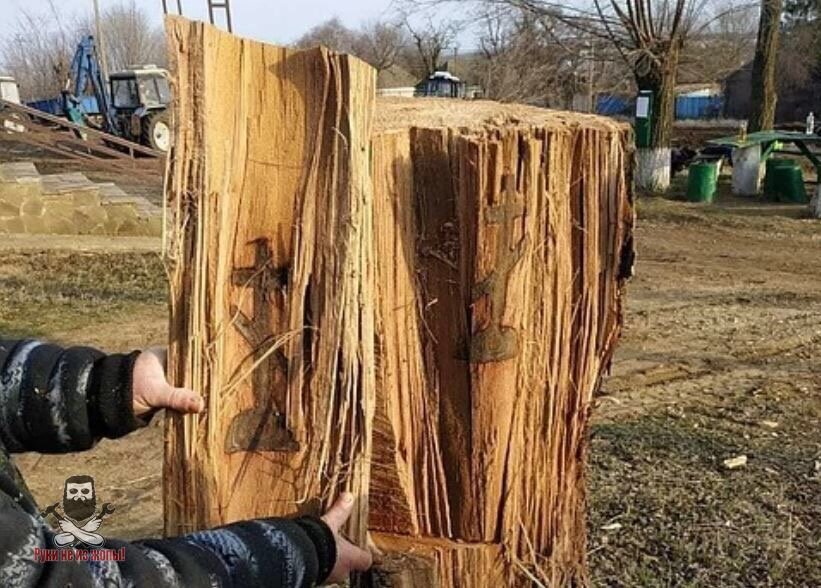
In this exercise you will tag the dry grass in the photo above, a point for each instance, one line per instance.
(687, 520)
(48, 293)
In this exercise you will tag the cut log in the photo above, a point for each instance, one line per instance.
(271, 277)
(516, 224)
(417, 306)
(414, 562)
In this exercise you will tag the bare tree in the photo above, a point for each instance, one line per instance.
(763, 90)
(380, 44)
(529, 58)
(38, 54)
(650, 35)
(722, 45)
(799, 59)
(430, 40)
(130, 36)
(332, 34)
(647, 34)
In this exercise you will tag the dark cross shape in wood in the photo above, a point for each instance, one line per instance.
(262, 427)
(495, 342)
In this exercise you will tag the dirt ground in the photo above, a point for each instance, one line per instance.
(719, 359)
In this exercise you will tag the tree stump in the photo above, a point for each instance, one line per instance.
(416, 303)
(499, 280)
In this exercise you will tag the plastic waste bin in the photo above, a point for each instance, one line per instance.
(702, 179)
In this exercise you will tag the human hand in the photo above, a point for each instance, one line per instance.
(349, 557)
(151, 390)
(66, 526)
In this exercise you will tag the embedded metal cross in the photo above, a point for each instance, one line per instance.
(496, 342)
(262, 427)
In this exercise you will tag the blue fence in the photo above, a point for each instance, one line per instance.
(687, 107)
(699, 107)
(610, 105)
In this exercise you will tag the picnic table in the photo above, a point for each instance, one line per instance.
(750, 150)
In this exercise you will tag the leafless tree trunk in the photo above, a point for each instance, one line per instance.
(650, 34)
(380, 44)
(763, 91)
(658, 74)
(430, 40)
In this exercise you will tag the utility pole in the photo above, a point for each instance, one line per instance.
(100, 41)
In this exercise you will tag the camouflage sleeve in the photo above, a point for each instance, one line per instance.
(273, 553)
(56, 400)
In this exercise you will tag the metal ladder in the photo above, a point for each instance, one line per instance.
(165, 7)
(225, 6)
(213, 7)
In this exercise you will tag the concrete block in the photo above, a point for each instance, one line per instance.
(154, 226)
(8, 210)
(61, 208)
(52, 225)
(85, 198)
(68, 183)
(18, 169)
(12, 225)
(90, 216)
(32, 206)
(15, 193)
(130, 228)
(35, 225)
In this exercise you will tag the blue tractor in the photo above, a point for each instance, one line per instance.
(132, 104)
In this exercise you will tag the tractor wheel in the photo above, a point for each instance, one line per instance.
(157, 132)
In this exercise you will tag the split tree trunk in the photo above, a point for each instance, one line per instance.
(420, 311)
(493, 333)
(271, 276)
(763, 93)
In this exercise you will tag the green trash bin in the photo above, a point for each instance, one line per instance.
(770, 190)
(784, 181)
(702, 179)
(786, 184)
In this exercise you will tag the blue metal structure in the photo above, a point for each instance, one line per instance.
(687, 107)
(612, 105)
(699, 107)
(87, 80)
(86, 92)
(55, 107)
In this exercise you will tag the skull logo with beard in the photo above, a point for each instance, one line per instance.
(79, 499)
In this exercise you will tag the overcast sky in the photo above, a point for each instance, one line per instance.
(275, 21)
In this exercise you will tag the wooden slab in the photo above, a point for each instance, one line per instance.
(271, 271)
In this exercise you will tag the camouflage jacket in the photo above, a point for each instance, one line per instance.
(55, 400)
